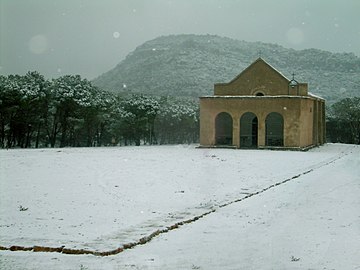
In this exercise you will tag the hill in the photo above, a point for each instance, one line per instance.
(189, 65)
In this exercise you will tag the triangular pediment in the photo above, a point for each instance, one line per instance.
(259, 77)
(260, 64)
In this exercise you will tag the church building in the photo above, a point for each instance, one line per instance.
(261, 108)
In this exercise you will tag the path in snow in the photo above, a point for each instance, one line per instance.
(311, 222)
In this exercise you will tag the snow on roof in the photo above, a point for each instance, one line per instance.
(314, 96)
(263, 97)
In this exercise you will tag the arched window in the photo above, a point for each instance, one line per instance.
(274, 125)
(223, 129)
(248, 130)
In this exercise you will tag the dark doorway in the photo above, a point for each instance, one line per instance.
(248, 130)
(274, 130)
(223, 129)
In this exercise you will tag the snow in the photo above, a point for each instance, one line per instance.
(101, 198)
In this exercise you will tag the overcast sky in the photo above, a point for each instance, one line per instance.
(90, 37)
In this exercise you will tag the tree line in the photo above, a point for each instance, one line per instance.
(70, 111)
(343, 121)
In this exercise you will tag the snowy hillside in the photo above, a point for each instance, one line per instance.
(189, 65)
(202, 208)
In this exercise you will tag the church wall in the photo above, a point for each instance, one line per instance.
(295, 131)
(323, 124)
(318, 131)
(315, 137)
(303, 89)
(308, 118)
(321, 136)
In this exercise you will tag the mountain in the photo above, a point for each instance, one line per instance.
(189, 65)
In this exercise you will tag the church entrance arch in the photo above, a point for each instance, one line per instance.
(274, 125)
(248, 130)
(223, 129)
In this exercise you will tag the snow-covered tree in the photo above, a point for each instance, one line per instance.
(344, 121)
(75, 110)
(139, 113)
(70, 111)
(178, 121)
(22, 100)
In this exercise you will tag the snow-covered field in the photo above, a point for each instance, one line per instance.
(98, 199)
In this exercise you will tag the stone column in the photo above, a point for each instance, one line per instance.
(261, 130)
(236, 131)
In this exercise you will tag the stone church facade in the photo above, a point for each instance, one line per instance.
(261, 108)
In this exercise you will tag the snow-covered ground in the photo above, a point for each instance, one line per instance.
(99, 199)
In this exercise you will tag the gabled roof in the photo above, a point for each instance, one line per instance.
(260, 77)
(255, 62)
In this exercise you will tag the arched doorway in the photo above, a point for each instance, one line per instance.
(223, 129)
(248, 130)
(274, 125)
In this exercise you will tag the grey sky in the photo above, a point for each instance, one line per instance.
(90, 37)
